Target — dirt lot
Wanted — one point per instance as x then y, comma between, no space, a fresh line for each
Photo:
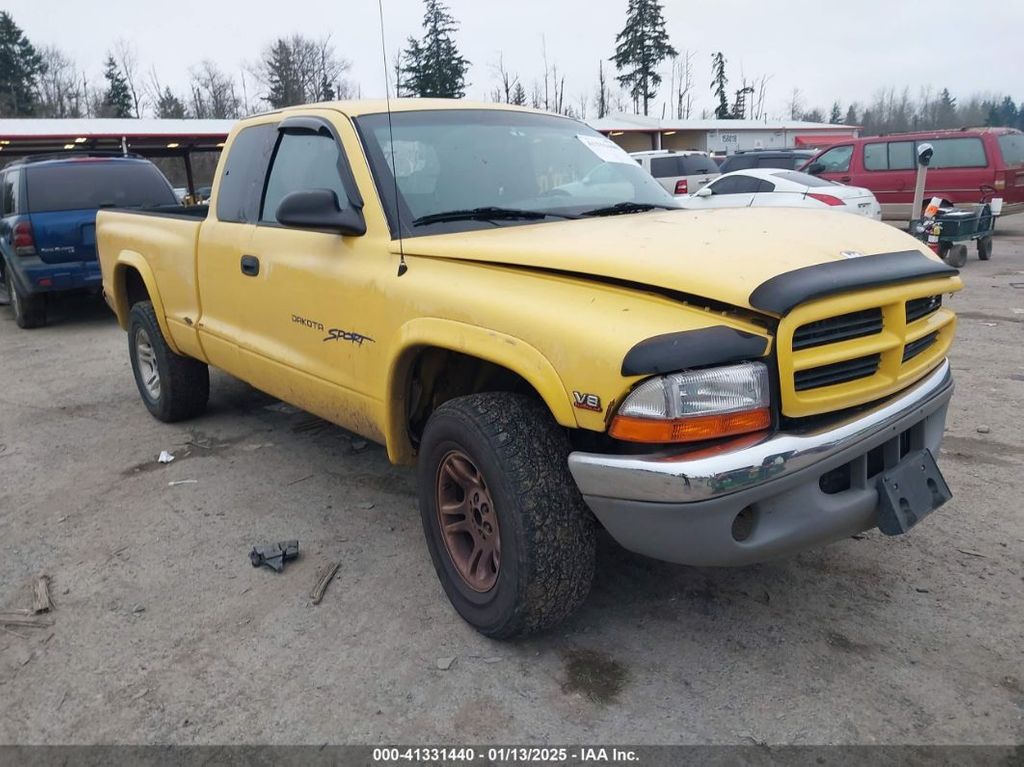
163,632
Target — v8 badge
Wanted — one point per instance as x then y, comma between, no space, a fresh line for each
585,401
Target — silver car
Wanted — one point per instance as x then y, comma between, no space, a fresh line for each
680,172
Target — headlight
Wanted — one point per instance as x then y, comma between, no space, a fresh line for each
696,405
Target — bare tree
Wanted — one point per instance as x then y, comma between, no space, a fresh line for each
213,93
681,85
795,105
128,62
759,98
603,92
507,82
61,91
300,70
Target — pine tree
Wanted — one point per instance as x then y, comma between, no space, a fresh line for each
117,99
519,95
20,68
718,83
1008,113
284,82
836,117
945,110
851,115
639,48
169,106
433,66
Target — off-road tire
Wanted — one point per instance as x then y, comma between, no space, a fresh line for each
29,311
547,534
184,382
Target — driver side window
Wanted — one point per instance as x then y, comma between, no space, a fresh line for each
303,161
836,159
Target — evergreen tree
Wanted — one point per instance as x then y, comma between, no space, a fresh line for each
20,68
519,95
169,106
836,117
433,66
718,83
1008,113
945,111
851,115
117,99
639,48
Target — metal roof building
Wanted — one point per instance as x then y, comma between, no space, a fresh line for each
149,137
636,133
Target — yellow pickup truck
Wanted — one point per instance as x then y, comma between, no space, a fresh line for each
504,298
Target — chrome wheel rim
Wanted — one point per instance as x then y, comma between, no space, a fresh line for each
468,522
149,374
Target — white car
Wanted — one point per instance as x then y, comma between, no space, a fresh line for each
680,172
781,188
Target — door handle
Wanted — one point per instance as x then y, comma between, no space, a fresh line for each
250,266
845,179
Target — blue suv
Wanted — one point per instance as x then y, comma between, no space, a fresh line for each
48,207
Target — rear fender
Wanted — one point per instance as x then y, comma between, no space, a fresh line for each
128,259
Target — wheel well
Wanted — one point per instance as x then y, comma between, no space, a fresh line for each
437,375
134,287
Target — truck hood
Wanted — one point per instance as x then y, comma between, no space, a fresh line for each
719,255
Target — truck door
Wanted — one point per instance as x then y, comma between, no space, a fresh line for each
224,240
312,303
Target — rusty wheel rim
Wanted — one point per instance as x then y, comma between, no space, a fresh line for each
468,522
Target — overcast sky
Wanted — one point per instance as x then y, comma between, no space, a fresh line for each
844,51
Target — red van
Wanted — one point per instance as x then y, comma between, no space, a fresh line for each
967,164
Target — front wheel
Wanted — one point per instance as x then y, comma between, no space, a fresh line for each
985,247
173,387
510,537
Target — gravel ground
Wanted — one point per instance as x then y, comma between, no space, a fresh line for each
163,632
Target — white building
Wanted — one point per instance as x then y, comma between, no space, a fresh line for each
636,133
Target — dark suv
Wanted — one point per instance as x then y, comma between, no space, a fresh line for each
790,159
48,207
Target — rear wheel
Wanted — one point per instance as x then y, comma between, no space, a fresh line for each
985,247
29,310
173,387
508,532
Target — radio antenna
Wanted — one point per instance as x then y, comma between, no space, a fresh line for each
402,266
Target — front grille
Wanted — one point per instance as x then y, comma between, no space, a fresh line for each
922,307
846,326
914,348
837,373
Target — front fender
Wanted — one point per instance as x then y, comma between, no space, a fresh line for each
128,259
499,348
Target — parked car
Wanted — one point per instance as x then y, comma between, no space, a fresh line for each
744,159
779,188
712,389
680,172
967,166
47,222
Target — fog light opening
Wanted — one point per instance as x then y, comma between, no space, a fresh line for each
743,524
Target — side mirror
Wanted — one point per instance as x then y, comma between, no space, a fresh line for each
704,191
924,154
816,168
319,209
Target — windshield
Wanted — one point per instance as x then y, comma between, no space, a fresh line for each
86,184
471,160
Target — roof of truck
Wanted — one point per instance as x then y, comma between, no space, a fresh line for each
354,108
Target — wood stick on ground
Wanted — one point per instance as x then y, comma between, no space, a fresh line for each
321,586
41,602
31,622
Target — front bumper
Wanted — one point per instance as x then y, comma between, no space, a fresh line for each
683,506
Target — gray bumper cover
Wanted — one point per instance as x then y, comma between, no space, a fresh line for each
680,506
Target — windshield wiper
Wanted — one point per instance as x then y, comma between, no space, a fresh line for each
625,207
489,213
